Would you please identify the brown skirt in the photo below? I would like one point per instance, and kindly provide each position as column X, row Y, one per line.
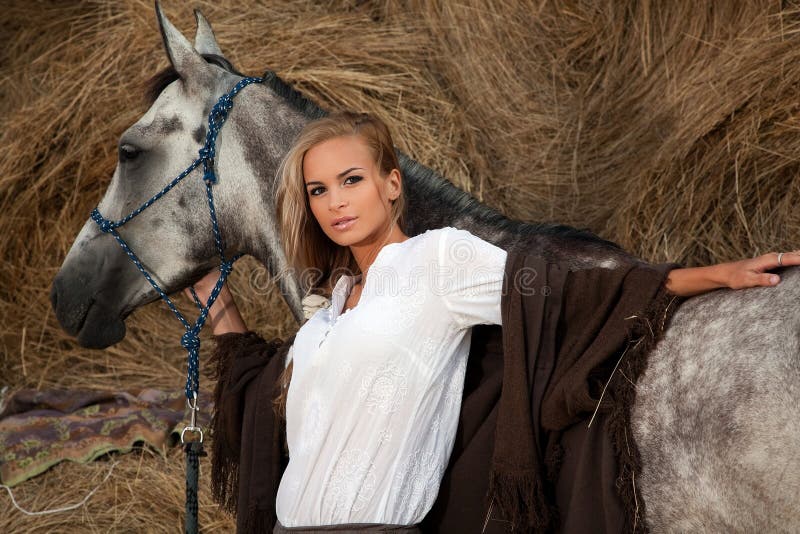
column 348, row 528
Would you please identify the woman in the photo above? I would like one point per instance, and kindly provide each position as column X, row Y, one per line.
column 371, row 410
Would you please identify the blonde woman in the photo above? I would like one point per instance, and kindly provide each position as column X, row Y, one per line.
column 373, row 382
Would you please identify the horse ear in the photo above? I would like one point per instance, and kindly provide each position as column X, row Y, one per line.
column 184, row 58
column 204, row 40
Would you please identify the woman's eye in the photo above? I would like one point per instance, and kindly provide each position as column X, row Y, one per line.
column 128, row 153
column 350, row 179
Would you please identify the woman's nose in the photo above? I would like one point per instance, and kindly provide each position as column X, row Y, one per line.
column 336, row 202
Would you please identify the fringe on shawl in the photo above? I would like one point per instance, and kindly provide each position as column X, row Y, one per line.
column 259, row 520
column 645, row 332
column 225, row 454
column 521, row 499
column 224, row 459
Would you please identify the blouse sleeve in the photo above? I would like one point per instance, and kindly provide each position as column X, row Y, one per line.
column 470, row 277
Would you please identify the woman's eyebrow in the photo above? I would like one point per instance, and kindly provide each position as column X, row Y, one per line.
column 340, row 175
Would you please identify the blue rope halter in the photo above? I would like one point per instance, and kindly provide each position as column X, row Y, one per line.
column 190, row 340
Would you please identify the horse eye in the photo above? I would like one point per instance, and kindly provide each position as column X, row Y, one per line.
column 128, row 153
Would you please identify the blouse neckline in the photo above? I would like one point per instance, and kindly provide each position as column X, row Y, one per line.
column 346, row 282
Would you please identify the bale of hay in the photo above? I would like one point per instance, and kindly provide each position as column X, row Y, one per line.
column 667, row 127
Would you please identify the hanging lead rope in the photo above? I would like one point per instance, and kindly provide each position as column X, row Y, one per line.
column 190, row 340
column 193, row 449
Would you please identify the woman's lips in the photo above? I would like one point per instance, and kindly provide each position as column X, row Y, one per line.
column 344, row 225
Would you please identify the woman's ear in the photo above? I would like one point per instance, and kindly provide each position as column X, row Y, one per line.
column 394, row 182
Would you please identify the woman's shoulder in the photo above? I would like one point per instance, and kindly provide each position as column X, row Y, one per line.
column 431, row 233
column 427, row 245
column 453, row 233
column 459, row 245
column 449, row 246
column 447, row 234
column 422, row 244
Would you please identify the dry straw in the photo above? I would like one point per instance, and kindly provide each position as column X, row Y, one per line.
column 671, row 128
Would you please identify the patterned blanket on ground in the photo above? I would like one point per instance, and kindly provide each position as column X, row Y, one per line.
column 39, row 429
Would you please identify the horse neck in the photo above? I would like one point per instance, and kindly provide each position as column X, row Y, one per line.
column 433, row 202
column 262, row 129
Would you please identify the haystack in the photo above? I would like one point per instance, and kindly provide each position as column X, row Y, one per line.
column 668, row 127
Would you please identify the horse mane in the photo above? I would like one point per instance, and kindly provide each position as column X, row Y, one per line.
column 293, row 97
column 429, row 182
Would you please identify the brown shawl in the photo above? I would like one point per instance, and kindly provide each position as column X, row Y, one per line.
column 524, row 455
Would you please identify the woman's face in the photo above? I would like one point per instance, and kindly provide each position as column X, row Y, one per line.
column 343, row 183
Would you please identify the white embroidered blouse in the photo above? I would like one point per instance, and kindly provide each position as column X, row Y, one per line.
column 375, row 394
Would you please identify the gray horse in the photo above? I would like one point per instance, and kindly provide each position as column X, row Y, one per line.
column 716, row 414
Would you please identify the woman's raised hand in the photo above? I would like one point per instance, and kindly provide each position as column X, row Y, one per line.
column 224, row 315
column 204, row 286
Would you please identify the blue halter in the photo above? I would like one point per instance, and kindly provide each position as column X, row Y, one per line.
column 190, row 340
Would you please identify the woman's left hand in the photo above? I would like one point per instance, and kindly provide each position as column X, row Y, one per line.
column 751, row 272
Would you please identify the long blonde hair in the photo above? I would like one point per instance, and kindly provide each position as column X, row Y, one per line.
column 309, row 251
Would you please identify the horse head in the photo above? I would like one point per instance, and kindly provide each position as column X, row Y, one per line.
column 98, row 285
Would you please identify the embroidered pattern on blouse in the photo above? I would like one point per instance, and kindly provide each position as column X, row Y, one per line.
column 428, row 348
column 343, row 369
column 418, row 478
column 352, row 482
column 454, row 389
column 397, row 315
column 314, row 424
column 383, row 388
column 385, row 436
column 436, row 424
column 425, row 356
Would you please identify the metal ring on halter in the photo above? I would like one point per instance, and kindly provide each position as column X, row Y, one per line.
column 193, row 419
column 192, row 429
column 780, row 254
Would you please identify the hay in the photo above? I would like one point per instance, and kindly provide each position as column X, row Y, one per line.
column 670, row 128
column 667, row 127
column 143, row 494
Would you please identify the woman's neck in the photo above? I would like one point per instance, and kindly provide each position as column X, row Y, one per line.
column 366, row 254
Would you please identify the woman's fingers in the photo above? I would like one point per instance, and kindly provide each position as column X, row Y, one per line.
column 768, row 262
column 767, row 279
column 787, row 259
column 754, row 272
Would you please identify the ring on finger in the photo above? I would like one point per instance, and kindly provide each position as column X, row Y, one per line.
column 780, row 255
